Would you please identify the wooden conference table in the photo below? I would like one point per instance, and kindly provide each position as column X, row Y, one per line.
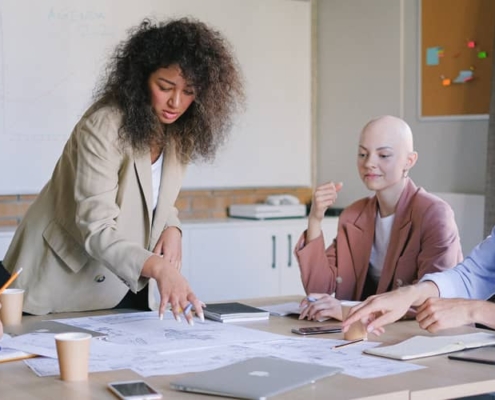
column 443, row 379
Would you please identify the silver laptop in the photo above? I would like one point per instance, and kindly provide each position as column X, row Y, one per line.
column 46, row 327
column 255, row 378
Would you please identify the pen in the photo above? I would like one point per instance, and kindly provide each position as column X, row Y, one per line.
column 10, row 280
column 347, row 344
column 188, row 308
column 310, row 300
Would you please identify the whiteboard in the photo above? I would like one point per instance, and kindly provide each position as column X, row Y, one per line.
column 53, row 51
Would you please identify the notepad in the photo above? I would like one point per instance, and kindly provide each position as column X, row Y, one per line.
column 284, row 309
column 287, row 309
column 234, row 312
column 427, row 346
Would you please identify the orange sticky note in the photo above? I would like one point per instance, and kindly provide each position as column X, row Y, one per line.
column 446, row 82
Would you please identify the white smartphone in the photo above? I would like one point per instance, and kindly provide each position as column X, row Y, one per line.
column 134, row 390
column 316, row 330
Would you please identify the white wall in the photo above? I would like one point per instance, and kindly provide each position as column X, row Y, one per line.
column 367, row 66
column 468, row 211
column 45, row 88
column 359, row 76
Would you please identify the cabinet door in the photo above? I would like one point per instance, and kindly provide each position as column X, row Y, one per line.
column 287, row 237
column 232, row 263
column 289, row 273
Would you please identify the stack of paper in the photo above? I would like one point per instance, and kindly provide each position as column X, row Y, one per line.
column 234, row 312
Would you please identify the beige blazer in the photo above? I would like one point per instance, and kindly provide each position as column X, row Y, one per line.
column 83, row 242
column 424, row 239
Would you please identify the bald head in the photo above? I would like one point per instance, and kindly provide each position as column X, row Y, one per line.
column 393, row 131
column 385, row 151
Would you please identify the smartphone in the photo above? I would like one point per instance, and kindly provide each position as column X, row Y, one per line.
column 134, row 390
column 316, row 330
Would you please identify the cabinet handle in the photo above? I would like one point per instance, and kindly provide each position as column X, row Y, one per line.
column 274, row 251
column 289, row 239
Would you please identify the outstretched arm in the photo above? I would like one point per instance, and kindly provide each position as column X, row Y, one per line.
column 380, row 310
column 173, row 288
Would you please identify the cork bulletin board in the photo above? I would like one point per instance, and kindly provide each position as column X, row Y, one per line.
column 456, row 47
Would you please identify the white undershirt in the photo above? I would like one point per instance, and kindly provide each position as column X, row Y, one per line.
column 383, row 227
column 156, row 178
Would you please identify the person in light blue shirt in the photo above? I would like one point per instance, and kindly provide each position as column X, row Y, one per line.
column 446, row 299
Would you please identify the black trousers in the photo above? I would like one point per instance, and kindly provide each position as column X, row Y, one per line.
column 137, row 301
column 4, row 274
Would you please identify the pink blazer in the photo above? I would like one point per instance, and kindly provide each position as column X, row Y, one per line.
column 424, row 239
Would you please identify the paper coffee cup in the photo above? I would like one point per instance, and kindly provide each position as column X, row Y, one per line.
column 357, row 330
column 11, row 311
column 73, row 355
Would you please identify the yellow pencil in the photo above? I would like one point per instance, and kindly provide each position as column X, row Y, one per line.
column 10, row 280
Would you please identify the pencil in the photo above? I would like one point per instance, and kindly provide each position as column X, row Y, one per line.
column 10, row 280
column 347, row 344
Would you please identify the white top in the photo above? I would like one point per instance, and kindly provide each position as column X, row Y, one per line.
column 156, row 178
column 383, row 227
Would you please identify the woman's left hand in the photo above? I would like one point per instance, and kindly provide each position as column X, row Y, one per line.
column 169, row 246
column 324, row 307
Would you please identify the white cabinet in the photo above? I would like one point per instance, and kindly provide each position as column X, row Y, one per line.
column 235, row 259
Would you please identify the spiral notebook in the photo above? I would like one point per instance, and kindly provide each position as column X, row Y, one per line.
column 427, row 346
column 234, row 312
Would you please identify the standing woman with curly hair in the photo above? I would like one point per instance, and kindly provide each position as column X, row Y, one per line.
column 106, row 222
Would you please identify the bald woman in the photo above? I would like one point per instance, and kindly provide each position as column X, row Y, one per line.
column 384, row 241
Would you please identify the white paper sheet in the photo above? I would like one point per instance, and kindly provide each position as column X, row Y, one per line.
column 140, row 341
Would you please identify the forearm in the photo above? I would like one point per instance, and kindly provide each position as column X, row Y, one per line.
column 483, row 312
column 318, row 271
column 314, row 229
column 420, row 292
column 152, row 266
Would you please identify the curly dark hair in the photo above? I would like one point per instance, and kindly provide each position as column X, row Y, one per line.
column 205, row 59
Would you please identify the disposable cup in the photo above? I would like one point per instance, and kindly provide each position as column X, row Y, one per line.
column 11, row 311
column 73, row 355
column 357, row 330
